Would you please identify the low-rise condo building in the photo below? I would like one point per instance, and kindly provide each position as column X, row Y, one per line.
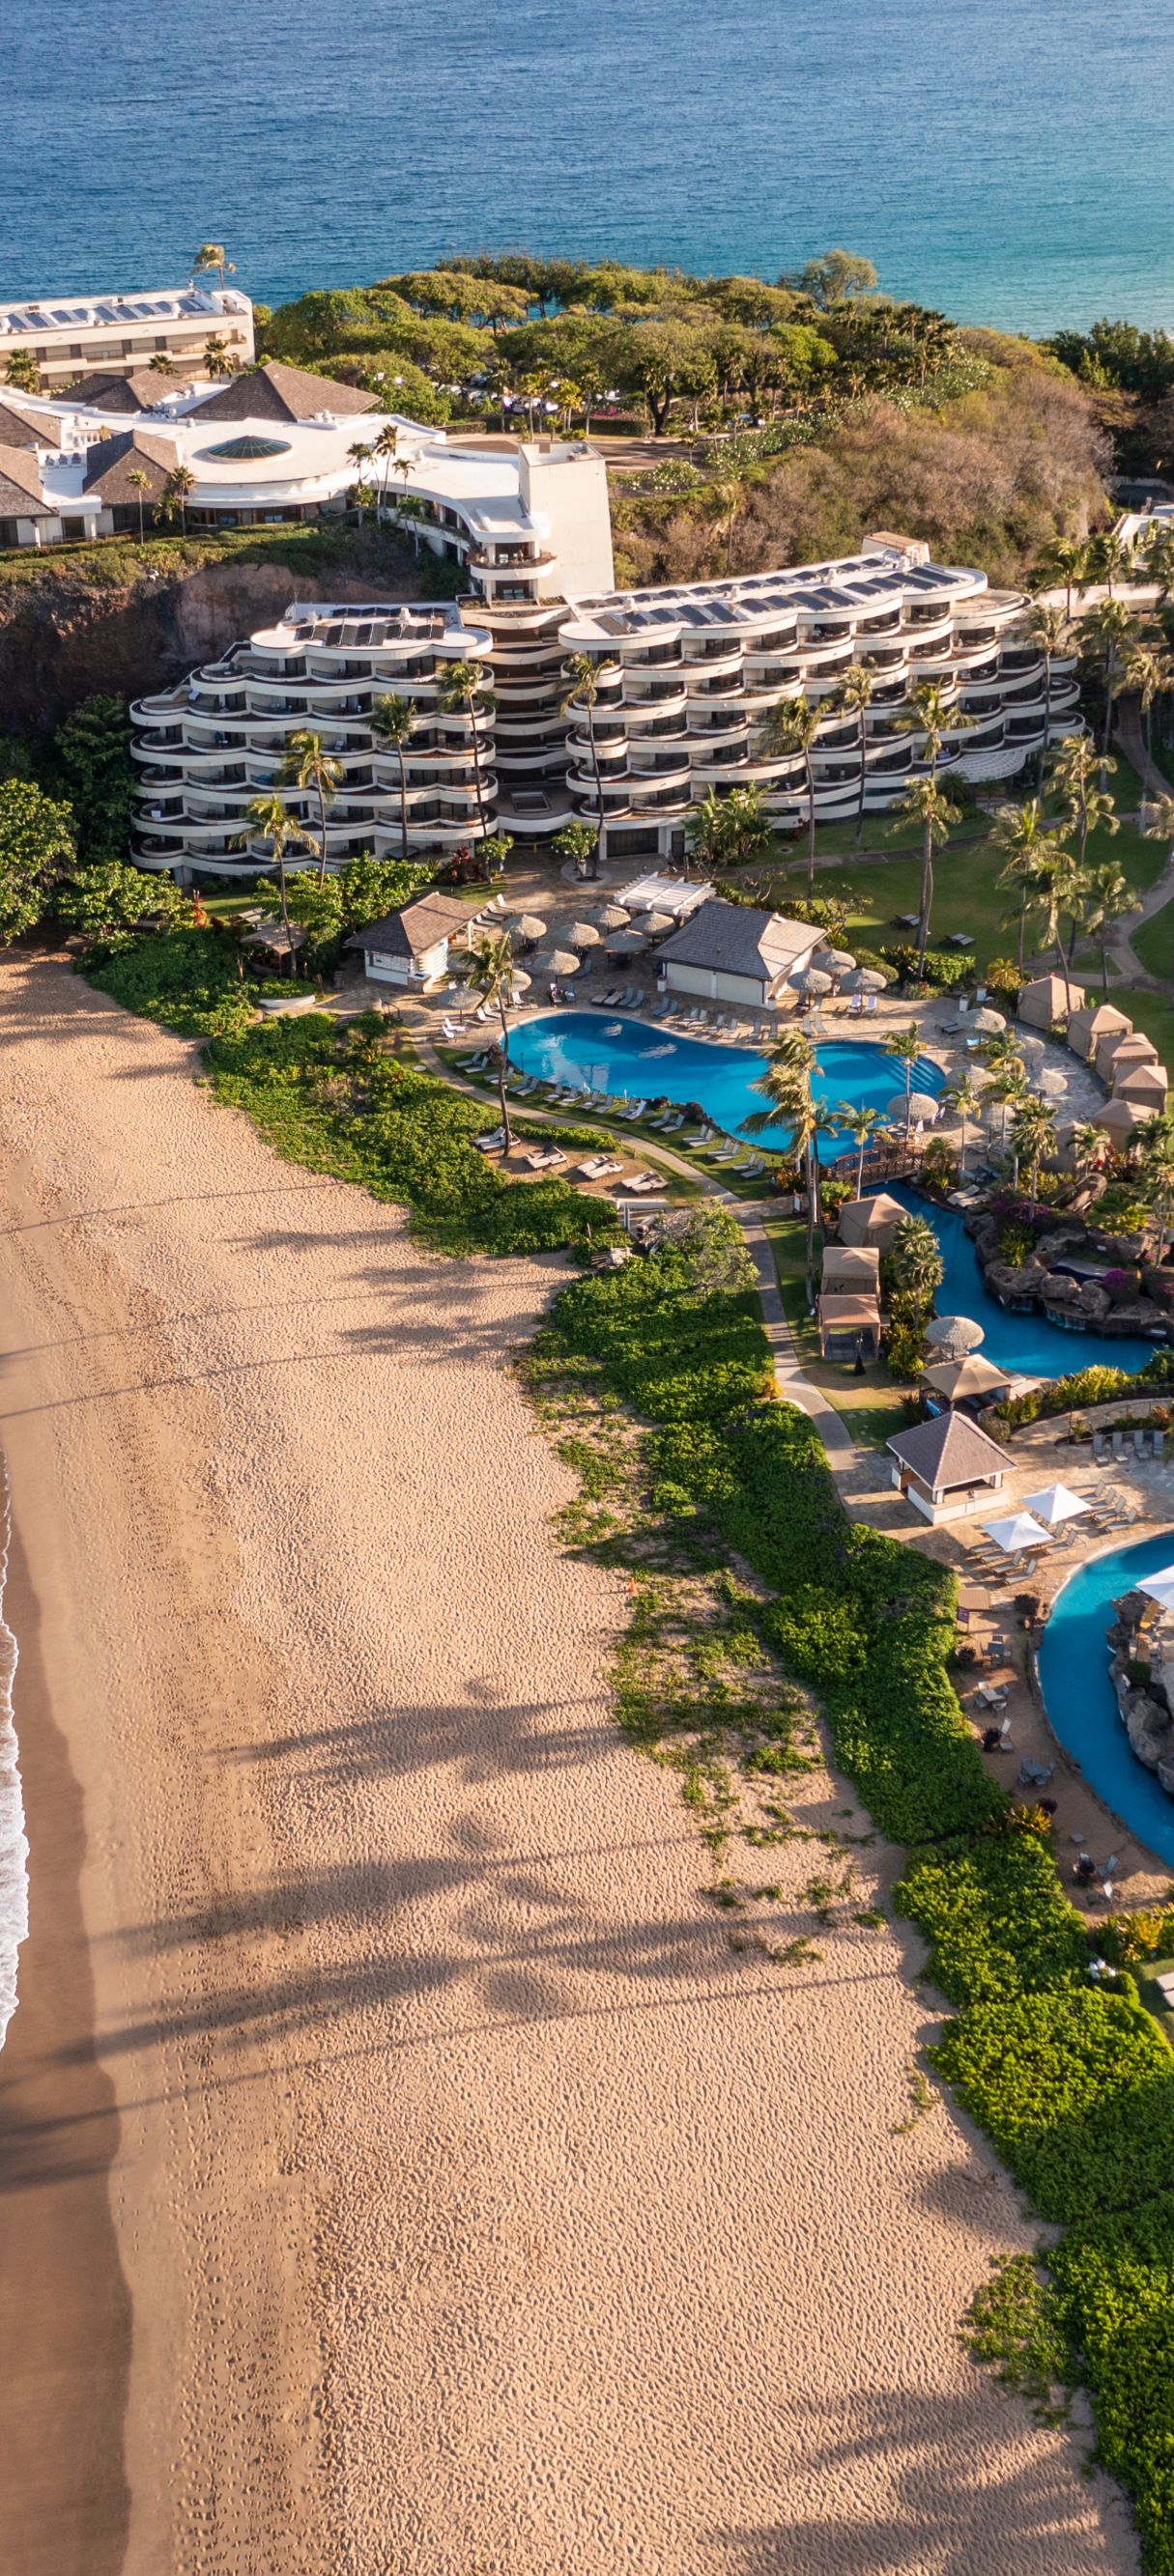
column 688, row 678
column 67, row 336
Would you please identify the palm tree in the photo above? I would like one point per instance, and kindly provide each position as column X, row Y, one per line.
column 583, row 675
column 139, row 483
column 789, row 734
column 1033, row 1134
column 360, row 456
column 1060, row 886
column 162, row 364
column 1111, row 558
column 311, row 767
column 929, row 712
column 925, row 803
column 491, row 973
column 1160, row 826
column 1148, row 672
column 966, row 1096
column 1020, row 834
column 1088, row 1146
column 858, row 1121
column 180, row 482
column 1066, row 560
column 1155, row 1139
column 905, row 1046
column 1049, row 628
column 269, row 819
column 725, row 499
column 1008, row 1085
column 22, row 372
column 1110, row 896
column 1111, row 627
column 914, row 1261
column 854, row 696
column 1088, row 807
column 392, row 720
column 384, row 445
column 786, row 1087
column 218, row 358
column 461, row 689
column 211, row 255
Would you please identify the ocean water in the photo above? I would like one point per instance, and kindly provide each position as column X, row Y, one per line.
column 602, row 1051
column 1008, row 163
column 1080, row 1699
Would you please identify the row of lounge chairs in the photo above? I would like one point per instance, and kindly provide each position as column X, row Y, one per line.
column 1146, row 1444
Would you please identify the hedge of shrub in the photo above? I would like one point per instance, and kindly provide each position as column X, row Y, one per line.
column 1113, row 2281
column 995, row 1915
column 1076, row 2091
column 187, row 979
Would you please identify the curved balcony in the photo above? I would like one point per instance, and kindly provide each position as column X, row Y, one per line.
column 728, row 659
column 657, row 694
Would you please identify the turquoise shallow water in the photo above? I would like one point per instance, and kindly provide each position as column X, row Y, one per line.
column 1079, row 1696
column 1027, row 1343
column 1010, row 164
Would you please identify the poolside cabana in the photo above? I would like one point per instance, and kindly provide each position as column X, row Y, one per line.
column 1045, row 1001
column 1100, row 1020
column 947, row 1468
column 1118, row 1052
column 972, row 1378
column 850, row 1270
column 1118, row 1120
column 847, row 1323
column 871, row 1220
column 1145, row 1087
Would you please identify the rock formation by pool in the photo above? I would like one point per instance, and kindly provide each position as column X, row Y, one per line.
column 1082, row 1280
column 1142, row 1669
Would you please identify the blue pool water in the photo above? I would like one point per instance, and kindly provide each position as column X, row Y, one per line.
column 1079, row 1696
column 1027, row 1343
column 602, row 1051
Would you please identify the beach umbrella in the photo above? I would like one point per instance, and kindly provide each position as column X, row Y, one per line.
column 612, row 916
column 625, row 943
column 1016, row 1533
column 833, row 961
column 1053, row 1083
column 811, row 980
column 1055, row 1504
column 528, row 928
column 988, row 1022
column 519, row 983
column 557, row 961
column 954, row 1334
column 920, row 1109
column 864, row 979
column 1029, row 1048
column 583, row 934
column 971, row 1376
column 1160, row 1587
column 656, row 924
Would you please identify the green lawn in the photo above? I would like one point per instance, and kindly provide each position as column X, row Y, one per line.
column 1147, row 1977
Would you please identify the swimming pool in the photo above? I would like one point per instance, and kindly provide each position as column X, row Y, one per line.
column 1029, row 1344
column 1079, row 1695
column 603, row 1051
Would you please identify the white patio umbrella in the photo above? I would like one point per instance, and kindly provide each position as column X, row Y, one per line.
column 864, row 979
column 954, row 1335
column 583, row 934
column 988, row 1023
column 1016, row 1533
column 920, row 1108
column 1160, row 1587
column 811, row 980
column 625, row 943
column 528, row 928
column 1055, row 1504
column 612, row 916
column 833, row 961
column 557, row 961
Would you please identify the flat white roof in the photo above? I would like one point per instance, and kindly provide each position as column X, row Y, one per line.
column 664, row 894
column 64, row 313
column 858, row 584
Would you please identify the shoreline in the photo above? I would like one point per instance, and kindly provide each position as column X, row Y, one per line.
column 474, row 2207
column 65, row 2323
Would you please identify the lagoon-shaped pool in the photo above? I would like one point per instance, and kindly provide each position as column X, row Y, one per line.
column 1029, row 1344
column 603, row 1051
column 1079, row 1696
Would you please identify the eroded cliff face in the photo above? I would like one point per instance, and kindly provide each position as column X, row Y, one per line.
column 63, row 638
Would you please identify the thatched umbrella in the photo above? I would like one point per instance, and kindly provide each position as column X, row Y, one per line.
column 655, row 924
column 527, row 928
column 833, row 961
column 954, row 1335
column 557, row 961
column 1053, row 1083
column 612, row 916
column 519, row 983
column 811, row 980
column 989, row 1023
column 865, row 979
column 920, row 1109
column 583, row 934
column 625, row 943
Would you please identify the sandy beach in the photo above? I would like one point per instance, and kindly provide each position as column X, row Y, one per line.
column 399, row 2174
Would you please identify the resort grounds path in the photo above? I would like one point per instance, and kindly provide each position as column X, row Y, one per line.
column 400, row 2173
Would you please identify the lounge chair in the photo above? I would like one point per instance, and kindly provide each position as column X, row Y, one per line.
column 669, row 1126
column 749, row 1171
column 640, row 1182
column 1098, row 1447
column 489, row 1144
column 634, row 1110
column 1139, row 1444
column 597, row 1167
column 855, row 1005
column 545, row 1161
column 868, row 1002
column 1118, row 1444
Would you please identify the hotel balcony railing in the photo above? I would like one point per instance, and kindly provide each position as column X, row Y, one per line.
column 651, row 693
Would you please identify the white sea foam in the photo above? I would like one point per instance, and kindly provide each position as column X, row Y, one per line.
column 14, row 1850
